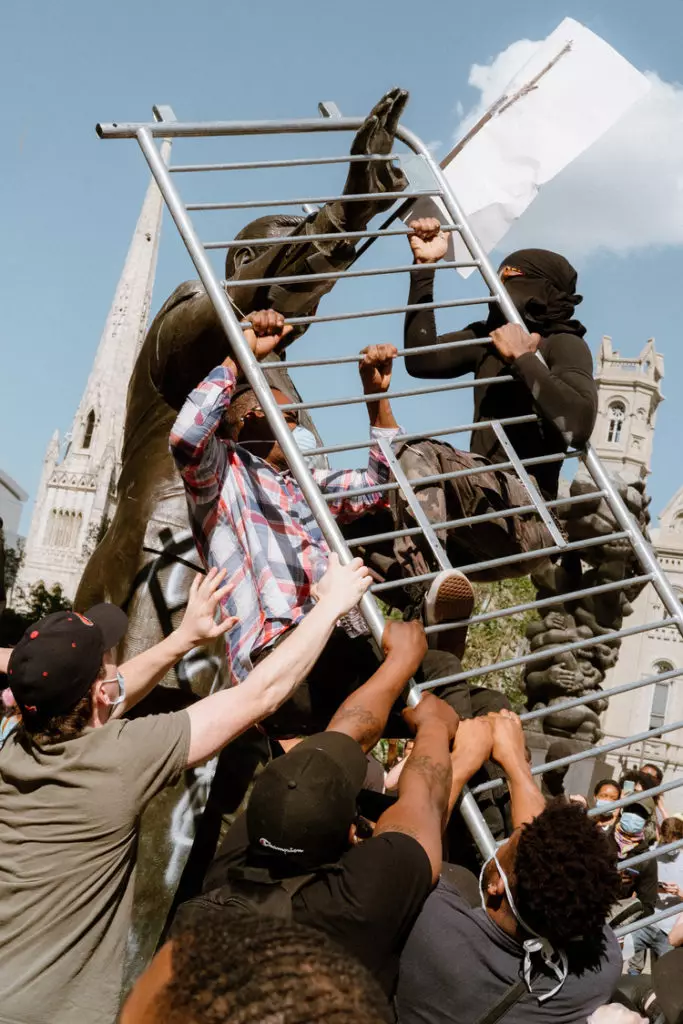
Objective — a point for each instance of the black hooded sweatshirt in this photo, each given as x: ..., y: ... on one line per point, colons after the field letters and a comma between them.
x: 563, y: 393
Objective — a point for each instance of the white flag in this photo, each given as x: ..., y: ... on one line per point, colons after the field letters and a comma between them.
x: 568, y: 94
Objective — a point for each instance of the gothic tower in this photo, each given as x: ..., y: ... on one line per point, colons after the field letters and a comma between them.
x: 77, y: 493
x: 629, y: 393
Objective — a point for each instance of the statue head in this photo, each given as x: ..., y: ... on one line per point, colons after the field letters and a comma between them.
x: 277, y: 225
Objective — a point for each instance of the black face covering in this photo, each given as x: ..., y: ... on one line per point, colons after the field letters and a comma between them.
x: 545, y: 295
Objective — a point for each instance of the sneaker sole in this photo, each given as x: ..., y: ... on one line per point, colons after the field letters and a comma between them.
x: 450, y: 598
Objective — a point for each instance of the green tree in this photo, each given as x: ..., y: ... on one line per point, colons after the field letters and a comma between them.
x: 13, y: 559
x: 40, y: 601
x: 501, y: 639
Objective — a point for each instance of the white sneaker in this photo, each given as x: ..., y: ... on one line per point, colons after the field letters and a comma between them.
x: 450, y: 598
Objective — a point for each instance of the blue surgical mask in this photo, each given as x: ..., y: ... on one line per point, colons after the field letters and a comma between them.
x: 306, y: 442
x: 535, y: 945
x: 631, y: 824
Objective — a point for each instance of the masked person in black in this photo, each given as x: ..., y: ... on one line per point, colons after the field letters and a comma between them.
x: 560, y: 391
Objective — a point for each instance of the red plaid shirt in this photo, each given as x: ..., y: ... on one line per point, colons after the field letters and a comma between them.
x: 253, y: 521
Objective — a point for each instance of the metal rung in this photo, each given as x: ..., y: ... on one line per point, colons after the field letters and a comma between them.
x: 583, y: 755
x: 298, y: 321
x: 545, y: 602
x: 653, y: 854
x: 485, y: 517
x: 645, y: 922
x: 613, y: 691
x: 422, y: 436
x: 456, y: 474
x: 336, y: 236
x: 338, y: 275
x: 529, y: 485
x: 356, y: 197
x: 548, y: 653
x: 255, y: 165
x: 390, y: 395
x: 204, y: 129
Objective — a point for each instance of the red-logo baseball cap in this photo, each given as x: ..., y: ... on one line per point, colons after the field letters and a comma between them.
x: 58, y: 659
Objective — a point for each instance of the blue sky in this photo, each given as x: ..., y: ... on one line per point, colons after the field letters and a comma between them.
x: 71, y: 200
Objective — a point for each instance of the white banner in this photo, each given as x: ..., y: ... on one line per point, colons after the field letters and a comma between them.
x: 566, y: 96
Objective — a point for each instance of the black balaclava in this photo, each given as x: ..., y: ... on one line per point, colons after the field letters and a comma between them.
x: 545, y: 296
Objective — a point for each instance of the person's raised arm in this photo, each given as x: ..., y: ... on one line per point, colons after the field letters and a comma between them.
x: 564, y: 391
x: 142, y: 673
x: 472, y: 747
x: 219, y: 718
x: 364, y: 713
x: 429, y: 244
x: 375, y: 372
x: 425, y: 783
x: 198, y: 455
x: 509, y: 750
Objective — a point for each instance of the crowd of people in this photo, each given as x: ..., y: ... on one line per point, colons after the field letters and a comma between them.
x: 329, y: 898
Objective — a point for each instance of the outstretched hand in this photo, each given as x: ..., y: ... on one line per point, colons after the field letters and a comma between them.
x: 342, y: 586
x: 428, y: 242
x: 405, y: 643
x: 509, y: 743
x: 431, y: 709
x: 513, y: 341
x: 375, y: 368
x: 472, y: 747
x: 268, y: 329
x: 199, y: 622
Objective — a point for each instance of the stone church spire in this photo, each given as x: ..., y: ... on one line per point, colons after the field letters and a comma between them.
x: 76, y: 495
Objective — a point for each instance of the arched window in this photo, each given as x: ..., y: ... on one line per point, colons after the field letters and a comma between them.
x: 89, y: 427
x: 617, y: 415
x: 660, y: 697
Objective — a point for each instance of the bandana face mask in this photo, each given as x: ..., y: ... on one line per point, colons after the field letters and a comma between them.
x: 537, y: 944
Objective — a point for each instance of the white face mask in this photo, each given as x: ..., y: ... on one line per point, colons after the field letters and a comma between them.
x: 118, y: 678
x: 535, y: 945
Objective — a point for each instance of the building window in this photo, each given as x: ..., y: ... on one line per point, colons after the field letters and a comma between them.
x: 617, y: 415
x: 89, y: 427
x: 63, y: 528
x: 660, y: 697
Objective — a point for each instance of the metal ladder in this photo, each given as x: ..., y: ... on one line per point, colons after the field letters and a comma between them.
x: 419, y: 164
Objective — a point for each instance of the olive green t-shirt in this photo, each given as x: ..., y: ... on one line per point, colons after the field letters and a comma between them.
x: 69, y: 816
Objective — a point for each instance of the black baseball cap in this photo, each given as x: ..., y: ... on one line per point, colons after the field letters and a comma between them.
x: 58, y: 659
x: 303, y: 804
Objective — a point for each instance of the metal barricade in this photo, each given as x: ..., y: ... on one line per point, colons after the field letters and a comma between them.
x: 416, y: 156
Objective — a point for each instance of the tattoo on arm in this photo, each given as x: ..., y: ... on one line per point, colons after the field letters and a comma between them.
x: 438, y: 774
x: 358, y: 722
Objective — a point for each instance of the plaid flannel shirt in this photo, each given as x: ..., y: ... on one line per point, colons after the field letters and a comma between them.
x: 253, y: 521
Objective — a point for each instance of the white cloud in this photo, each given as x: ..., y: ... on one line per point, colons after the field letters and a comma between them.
x: 624, y: 193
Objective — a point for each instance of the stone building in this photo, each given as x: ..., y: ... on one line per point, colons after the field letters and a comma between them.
x: 77, y: 490
x: 630, y: 393
x: 12, y: 498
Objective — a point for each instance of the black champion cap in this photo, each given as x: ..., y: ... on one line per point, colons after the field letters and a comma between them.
x: 58, y: 659
x: 303, y: 804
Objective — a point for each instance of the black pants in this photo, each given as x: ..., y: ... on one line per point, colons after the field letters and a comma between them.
x: 344, y: 665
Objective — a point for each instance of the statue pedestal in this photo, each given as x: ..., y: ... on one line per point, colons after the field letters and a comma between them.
x: 582, y: 775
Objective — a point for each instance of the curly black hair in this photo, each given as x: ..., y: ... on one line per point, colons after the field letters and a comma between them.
x: 251, y: 969
x: 566, y: 881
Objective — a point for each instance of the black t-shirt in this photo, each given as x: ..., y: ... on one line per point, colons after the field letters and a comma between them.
x: 458, y: 963
x: 367, y: 904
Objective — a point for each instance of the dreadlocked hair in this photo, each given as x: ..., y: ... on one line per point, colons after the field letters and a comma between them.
x: 250, y: 969
x: 566, y: 882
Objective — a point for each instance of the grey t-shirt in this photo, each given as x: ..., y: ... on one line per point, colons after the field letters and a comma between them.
x: 69, y: 817
x: 457, y: 963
